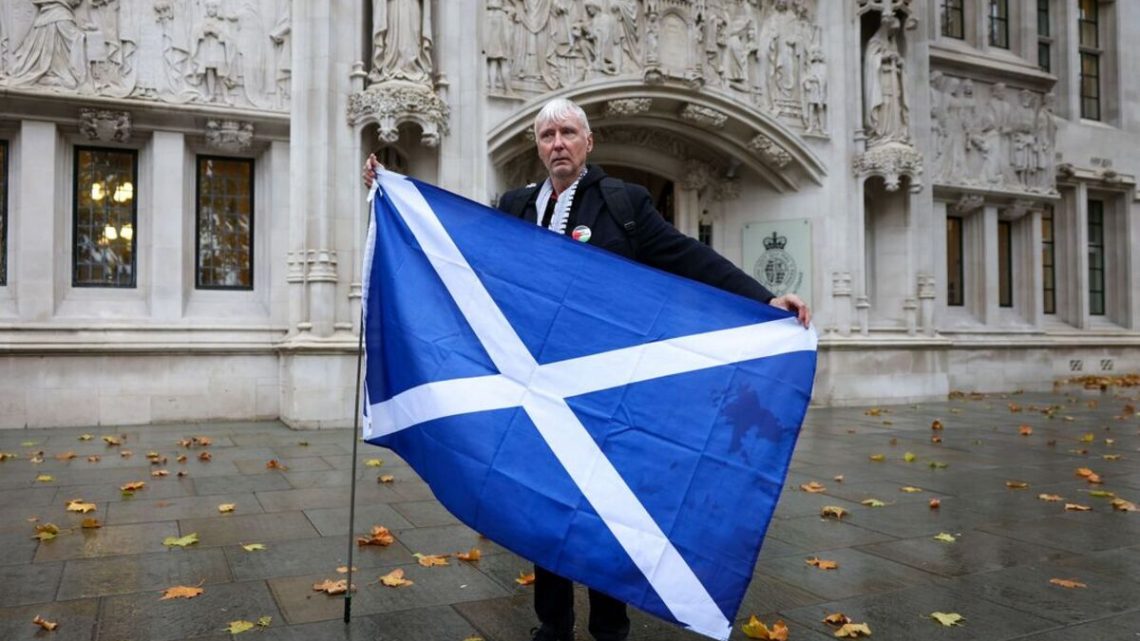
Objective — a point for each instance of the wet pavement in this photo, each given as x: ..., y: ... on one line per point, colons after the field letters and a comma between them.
x: 105, y: 584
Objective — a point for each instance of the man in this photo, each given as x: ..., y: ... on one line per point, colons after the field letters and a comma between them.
x: 580, y: 200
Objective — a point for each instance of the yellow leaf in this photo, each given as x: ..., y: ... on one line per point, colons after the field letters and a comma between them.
x: 1120, y: 505
x: 909, y: 489
x: 46, y: 532
x: 1077, y: 507
x: 328, y: 586
x: 181, y: 592
x: 45, y: 478
x: 813, y: 487
x: 755, y: 629
x: 1016, y: 485
x: 852, y: 630
x: 471, y: 555
x: 873, y: 503
x: 837, y: 618
x: 909, y: 457
x: 263, y: 622
x: 395, y: 579
x: 175, y: 541
x: 385, y: 478
x: 1068, y: 583
x: 878, y: 458
x: 374, y: 462
x: 945, y: 537
x: 1052, y: 498
x: 1111, y: 457
x: 85, y: 437
x: 44, y: 623
x: 91, y: 524
x: 226, y: 507
x: 525, y: 579
x: 823, y: 564
x: 253, y: 547
x: 77, y: 505
x: 948, y: 619
x: 132, y: 486
x: 1089, y: 437
x: 379, y: 536
x: 832, y: 511
x: 112, y: 441
x: 237, y: 627
x: 429, y: 560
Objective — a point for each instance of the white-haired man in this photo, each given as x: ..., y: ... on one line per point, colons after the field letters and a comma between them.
x: 579, y: 199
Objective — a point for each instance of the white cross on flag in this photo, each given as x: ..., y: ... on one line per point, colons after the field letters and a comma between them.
x: 617, y: 425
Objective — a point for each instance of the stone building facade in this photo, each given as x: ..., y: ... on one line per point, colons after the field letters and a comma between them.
x: 950, y: 183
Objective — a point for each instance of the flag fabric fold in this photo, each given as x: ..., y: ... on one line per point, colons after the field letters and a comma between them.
x: 617, y: 425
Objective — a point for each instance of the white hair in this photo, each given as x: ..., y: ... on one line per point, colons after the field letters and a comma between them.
x: 560, y: 109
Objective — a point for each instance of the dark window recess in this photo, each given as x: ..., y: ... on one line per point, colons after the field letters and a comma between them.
x: 999, y: 23
x: 955, y: 278
x: 953, y: 19
x: 1005, y: 264
x: 224, y: 256
x: 1048, y: 263
x: 105, y: 213
x: 1096, y: 257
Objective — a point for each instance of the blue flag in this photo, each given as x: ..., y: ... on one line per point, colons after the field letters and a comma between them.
x: 615, y: 424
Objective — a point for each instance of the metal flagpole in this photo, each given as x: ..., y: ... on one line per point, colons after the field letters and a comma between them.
x: 352, y: 481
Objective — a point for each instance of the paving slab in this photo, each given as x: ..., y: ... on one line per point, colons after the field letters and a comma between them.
x: 226, y: 484
x: 815, y: 533
x: 83, y: 578
x: 77, y: 621
x: 1028, y: 588
x: 256, y: 528
x: 1122, y: 627
x: 112, y: 540
x: 858, y: 573
x: 309, y: 556
x: 18, y: 545
x: 134, y: 617
x: 1079, y: 532
x: 975, y: 551
x: 140, y: 510
x: 425, y: 513
x: 259, y: 466
x: 29, y: 583
x: 333, y: 521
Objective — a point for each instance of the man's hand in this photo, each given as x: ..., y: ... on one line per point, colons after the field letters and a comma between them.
x: 371, y: 166
x: 793, y: 303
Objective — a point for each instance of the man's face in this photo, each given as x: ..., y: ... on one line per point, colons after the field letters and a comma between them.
x: 562, y: 147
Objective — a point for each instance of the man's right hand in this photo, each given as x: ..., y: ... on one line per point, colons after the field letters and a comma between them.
x: 371, y: 166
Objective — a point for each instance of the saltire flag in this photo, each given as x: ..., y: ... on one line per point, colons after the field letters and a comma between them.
x: 620, y: 426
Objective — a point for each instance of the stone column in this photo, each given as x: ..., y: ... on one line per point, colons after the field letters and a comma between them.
x: 841, y: 295
x: 41, y: 251
x: 987, y: 267
x: 1079, y: 263
x: 926, y: 295
x: 1031, y: 262
x: 168, y: 244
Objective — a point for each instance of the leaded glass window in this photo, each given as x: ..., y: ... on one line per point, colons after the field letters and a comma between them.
x: 955, y: 278
x: 953, y: 19
x: 1088, y: 24
x: 1048, y: 262
x: 1005, y: 263
x: 999, y: 23
x: 224, y: 223
x: 3, y: 212
x: 103, y: 252
x: 1096, y: 257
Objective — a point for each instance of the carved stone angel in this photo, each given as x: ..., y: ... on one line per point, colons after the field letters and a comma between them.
x: 401, y: 41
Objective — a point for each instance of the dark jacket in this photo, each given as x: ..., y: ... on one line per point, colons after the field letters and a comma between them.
x: 658, y: 244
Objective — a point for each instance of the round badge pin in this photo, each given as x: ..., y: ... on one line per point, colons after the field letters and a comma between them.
x: 581, y: 234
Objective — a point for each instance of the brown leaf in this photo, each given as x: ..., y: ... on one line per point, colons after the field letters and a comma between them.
x: 274, y: 464
x: 1025, y: 430
x: 202, y: 441
x: 1120, y: 505
x: 936, y: 425
x: 1076, y: 507
x: 66, y: 456
x: 874, y: 411
x: 1068, y: 583
x: 838, y: 478
x: 93, y: 459
x: 344, y: 569
x: 832, y: 512
x: 112, y: 441
x: 181, y: 592
x: 823, y: 564
x: 525, y: 579
x: 77, y: 505
x: 836, y: 618
x: 756, y: 629
x: 1014, y: 408
x: 852, y: 630
x: 379, y: 536
x: 934, y: 438
x: 159, y: 473
x: 44, y: 623
x: 126, y: 453
x: 471, y: 555
x: 133, y: 486
x: 395, y: 579
x: 91, y: 524
x: 46, y: 532
x: 1016, y: 485
x: 181, y: 458
x: 385, y: 478
x: 935, y: 504
x: 205, y: 456
x: 328, y: 586
x: 429, y: 560
x: 1051, y: 498
x: 813, y: 487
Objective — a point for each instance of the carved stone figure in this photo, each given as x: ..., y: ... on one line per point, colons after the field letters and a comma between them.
x: 742, y: 47
x: 815, y: 93
x: 997, y: 137
x: 497, y: 46
x: 884, y: 86
x: 602, y: 35
x: 711, y: 21
x: 625, y: 13
x: 532, y: 43
x: 282, y: 38
x: 105, y: 125
x: 785, y: 58
x: 1024, y: 127
x: 53, y: 53
x: 401, y: 41
x: 213, y: 55
x: 175, y: 47
x: 1046, y: 142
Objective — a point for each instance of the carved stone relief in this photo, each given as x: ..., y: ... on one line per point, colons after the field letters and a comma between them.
x: 105, y: 125
x: 766, y: 53
x: 628, y: 106
x: 991, y: 136
x: 230, y: 52
x: 769, y: 151
x: 231, y: 136
x: 705, y: 117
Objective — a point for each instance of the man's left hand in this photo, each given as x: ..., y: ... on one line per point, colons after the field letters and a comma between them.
x: 793, y: 303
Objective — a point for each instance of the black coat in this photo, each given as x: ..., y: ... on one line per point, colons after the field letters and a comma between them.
x: 655, y: 242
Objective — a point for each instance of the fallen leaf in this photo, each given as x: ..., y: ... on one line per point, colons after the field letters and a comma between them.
x: 395, y: 579
x: 910, y: 489
x: 328, y: 586
x: 379, y: 536
x: 874, y: 411
x: 1111, y: 457
x: 263, y: 622
x: 836, y: 618
x: 429, y: 560
x: 525, y: 579
x: 133, y: 486
x: 237, y: 627
x: 4, y: 456
x: 204, y: 456
x: 1014, y: 407
x: 873, y: 503
x: 45, y: 478
x: 152, y: 455
x: 159, y: 473
x: 46, y: 532
x: 1076, y: 507
x: 44, y: 623
x: 813, y: 487
x: 202, y: 441
x: 945, y: 537
x: 823, y: 564
x: 1068, y: 583
x: 1025, y: 430
x: 66, y: 456
x: 182, y: 475
x: 1052, y: 498
x: 948, y: 619
x: 252, y: 547
x: 181, y: 458
x: 936, y: 425
x: 126, y: 453
x: 935, y: 504
x: 85, y: 437
x: 1120, y: 505
x: 385, y: 478
x: 1102, y: 494
x: 91, y: 524
x: 181, y: 592
x: 832, y: 511
x: 1016, y: 485
x: 77, y: 505
x: 471, y: 555
x: 112, y: 441
x: 878, y: 458
x: 938, y: 465
x: 93, y: 458
x: 181, y: 541
x: 934, y: 438
x: 838, y: 478
x: 852, y: 630
x: 274, y: 464
x: 909, y: 457
x: 755, y: 629
x: 373, y: 462
x: 1088, y: 437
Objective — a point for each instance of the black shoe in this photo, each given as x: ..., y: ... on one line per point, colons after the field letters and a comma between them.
x: 550, y: 634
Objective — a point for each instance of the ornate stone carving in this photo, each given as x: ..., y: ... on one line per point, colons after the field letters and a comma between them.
x: 698, y: 175
x: 233, y: 136
x: 105, y: 125
x: 891, y: 162
x: 497, y: 45
x: 770, y: 151
x: 401, y: 41
x: 654, y: 139
x: 395, y: 102
x: 282, y: 38
x: 706, y: 117
x: 926, y: 287
x: 967, y: 203
x: 628, y: 106
x: 841, y: 284
x: 885, y: 105
x: 990, y: 137
x: 815, y: 93
x: 726, y: 189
